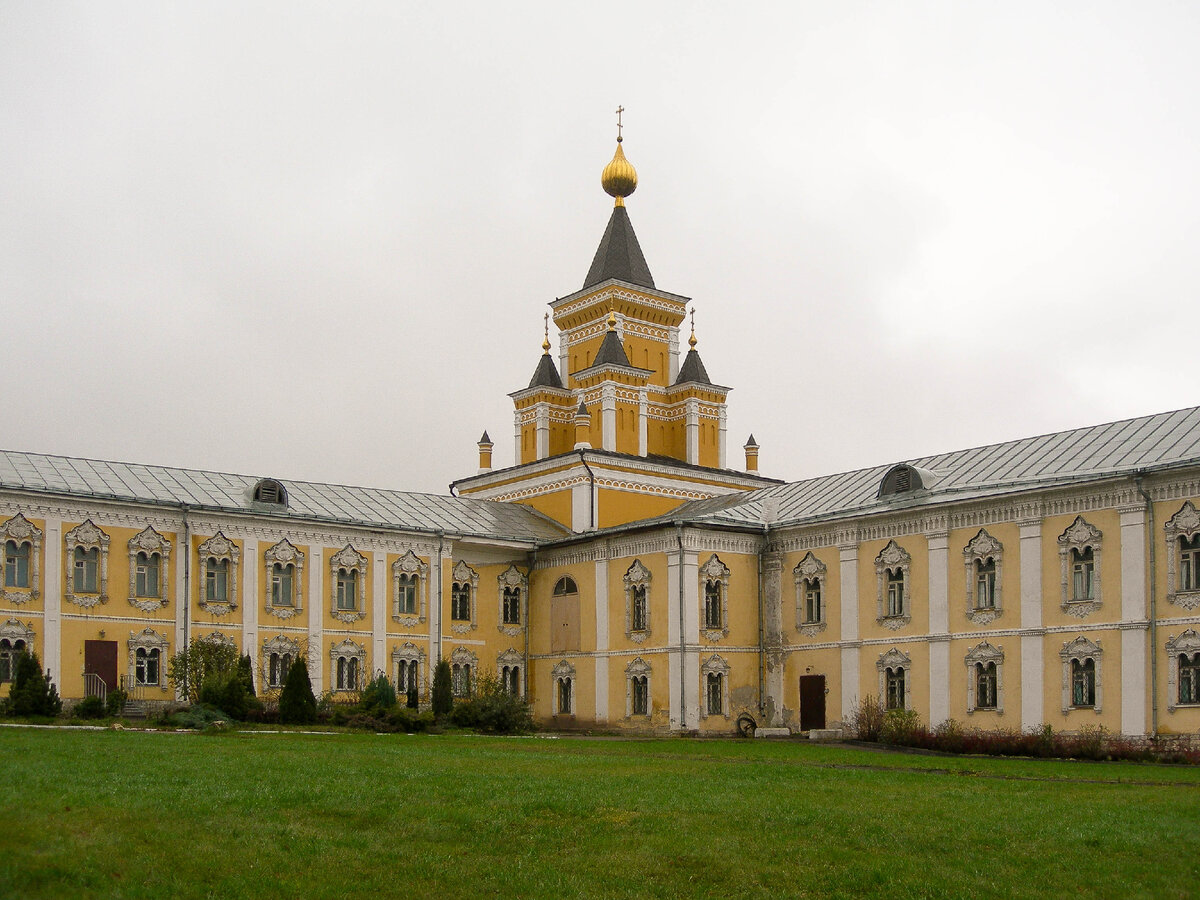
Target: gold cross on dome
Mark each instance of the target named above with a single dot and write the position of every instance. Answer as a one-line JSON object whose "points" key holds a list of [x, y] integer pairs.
{"points": [[620, 109]]}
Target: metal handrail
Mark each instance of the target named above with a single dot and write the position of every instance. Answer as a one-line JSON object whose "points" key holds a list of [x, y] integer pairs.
{"points": [[94, 686]]}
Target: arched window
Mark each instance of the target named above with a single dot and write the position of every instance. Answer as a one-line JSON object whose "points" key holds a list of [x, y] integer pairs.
{"points": [[512, 606], [985, 685], [147, 650], [564, 696], [563, 676], [1083, 682], [511, 586], [22, 545], [809, 578], [270, 491], [714, 585], [349, 663], [278, 666], [10, 649], [564, 586], [637, 581], [463, 586], [460, 679], [894, 683], [147, 665]]}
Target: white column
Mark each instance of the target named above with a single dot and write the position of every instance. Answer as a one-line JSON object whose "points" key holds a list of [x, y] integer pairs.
{"points": [[939, 623], [848, 585], [516, 438], [52, 542], [317, 603], [693, 431], [601, 565], [723, 416], [772, 565], [643, 423], [379, 613], [543, 430], [608, 417], [683, 636], [673, 355], [181, 560], [250, 602], [1135, 673], [564, 357], [1032, 672]]}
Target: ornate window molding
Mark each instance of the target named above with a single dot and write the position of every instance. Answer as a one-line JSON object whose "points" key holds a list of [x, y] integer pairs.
{"points": [[509, 665], [714, 599], [15, 638], [285, 595], [278, 654], [86, 545], [219, 556], [464, 668], [982, 558], [348, 586], [809, 576], [980, 661], [148, 658], [410, 582], [714, 685], [349, 667], [23, 534], [1179, 693], [895, 681], [464, 591], [408, 664], [637, 580], [512, 587], [1079, 550], [562, 695], [1183, 579], [893, 602], [637, 689], [146, 591], [1075, 657]]}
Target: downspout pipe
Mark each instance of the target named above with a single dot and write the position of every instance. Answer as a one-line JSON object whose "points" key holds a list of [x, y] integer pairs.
{"points": [[682, 633], [591, 492], [762, 653], [1153, 598], [528, 603], [186, 599], [441, 536]]}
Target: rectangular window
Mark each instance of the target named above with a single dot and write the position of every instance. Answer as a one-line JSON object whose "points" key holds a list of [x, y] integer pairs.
{"points": [[895, 688], [460, 602], [347, 590], [712, 604], [1189, 563], [638, 613], [895, 593], [714, 691], [512, 606], [87, 562], [564, 696], [460, 679], [146, 581], [812, 600], [1083, 682], [985, 686], [1083, 569], [216, 580], [146, 666], [1189, 678], [16, 564], [641, 695], [406, 599], [985, 584], [282, 584]]}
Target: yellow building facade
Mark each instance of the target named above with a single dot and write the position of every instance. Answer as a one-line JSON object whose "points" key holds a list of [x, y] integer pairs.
{"points": [[621, 574]]}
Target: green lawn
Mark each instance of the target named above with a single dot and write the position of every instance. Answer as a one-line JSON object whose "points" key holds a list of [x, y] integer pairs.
{"points": [[171, 816]]}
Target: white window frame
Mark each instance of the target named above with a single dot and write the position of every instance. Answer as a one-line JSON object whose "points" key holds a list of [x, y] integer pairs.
{"points": [[1079, 650], [459, 658], [978, 551], [639, 668], [717, 573], [87, 537], [148, 640], [637, 578], [13, 632], [464, 576], [1078, 537], [347, 650], [405, 655], [281, 646], [1187, 643], [508, 661], [511, 579], [149, 541], [1184, 524], [894, 659], [410, 565], [715, 665], [893, 559], [218, 548], [20, 531], [562, 670], [808, 571], [284, 554], [348, 560], [984, 653]]}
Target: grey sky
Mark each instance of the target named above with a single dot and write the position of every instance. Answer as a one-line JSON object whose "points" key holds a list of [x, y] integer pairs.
{"points": [[316, 240]]}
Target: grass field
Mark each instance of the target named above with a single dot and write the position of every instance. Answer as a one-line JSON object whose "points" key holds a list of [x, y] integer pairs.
{"points": [[243, 814]]}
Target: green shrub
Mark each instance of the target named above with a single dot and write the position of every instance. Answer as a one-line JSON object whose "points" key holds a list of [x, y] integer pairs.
{"points": [[33, 693], [443, 695], [493, 709], [199, 716], [866, 719], [193, 665], [227, 691], [245, 671], [90, 708], [116, 701], [403, 718], [411, 698], [378, 696], [901, 726], [297, 705]]}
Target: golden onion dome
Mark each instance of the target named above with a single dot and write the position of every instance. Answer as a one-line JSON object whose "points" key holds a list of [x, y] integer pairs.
{"points": [[619, 178]]}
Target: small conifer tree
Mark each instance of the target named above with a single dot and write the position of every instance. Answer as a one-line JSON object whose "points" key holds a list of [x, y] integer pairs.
{"points": [[32, 694], [443, 695], [297, 705], [246, 674]]}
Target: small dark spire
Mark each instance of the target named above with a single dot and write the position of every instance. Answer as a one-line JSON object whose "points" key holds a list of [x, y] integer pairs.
{"points": [[485, 439], [619, 254], [583, 410], [751, 442], [546, 373], [612, 351], [692, 369]]}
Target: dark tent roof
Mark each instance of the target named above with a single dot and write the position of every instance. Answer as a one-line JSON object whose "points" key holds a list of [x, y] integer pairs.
{"points": [[612, 352], [692, 369], [619, 255], [546, 374]]}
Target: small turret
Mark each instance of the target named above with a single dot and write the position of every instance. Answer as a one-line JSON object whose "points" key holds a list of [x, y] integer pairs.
{"points": [[485, 453], [751, 449], [583, 428]]}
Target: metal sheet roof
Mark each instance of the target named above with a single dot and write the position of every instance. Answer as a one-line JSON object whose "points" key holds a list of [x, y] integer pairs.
{"points": [[372, 507], [1165, 439]]}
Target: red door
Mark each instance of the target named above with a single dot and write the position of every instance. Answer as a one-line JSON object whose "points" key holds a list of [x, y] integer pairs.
{"points": [[100, 658], [812, 702]]}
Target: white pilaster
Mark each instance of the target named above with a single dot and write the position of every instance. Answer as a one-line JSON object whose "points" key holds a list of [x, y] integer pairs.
{"points": [[939, 593], [1134, 670], [643, 423], [317, 602], [543, 430], [250, 601], [939, 680], [848, 585], [564, 356], [683, 635], [723, 416], [673, 355], [1032, 671], [772, 590], [850, 684], [581, 506], [516, 438], [608, 417], [379, 613], [601, 567], [52, 594], [181, 560], [693, 431]]}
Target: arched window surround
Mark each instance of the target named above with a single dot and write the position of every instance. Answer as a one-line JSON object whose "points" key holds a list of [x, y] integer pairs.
{"points": [[893, 566], [148, 659], [512, 587], [1080, 650], [352, 566], [284, 554], [404, 570], [465, 584], [1073, 545], [1185, 524], [984, 654], [979, 550], [714, 599], [809, 577], [895, 660], [149, 542], [22, 533], [637, 580], [86, 538], [1185, 644], [219, 549]]}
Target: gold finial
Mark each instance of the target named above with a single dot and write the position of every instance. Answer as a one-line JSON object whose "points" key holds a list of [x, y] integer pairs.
{"points": [[612, 319], [546, 341], [692, 339], [619, 178]]}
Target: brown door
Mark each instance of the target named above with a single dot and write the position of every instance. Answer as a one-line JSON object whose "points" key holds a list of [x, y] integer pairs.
{"points": [[812, 702], [564, 620], [100, 658]]}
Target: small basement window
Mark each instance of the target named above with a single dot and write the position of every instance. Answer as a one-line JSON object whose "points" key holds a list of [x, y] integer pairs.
{"points": [[270, 491]]}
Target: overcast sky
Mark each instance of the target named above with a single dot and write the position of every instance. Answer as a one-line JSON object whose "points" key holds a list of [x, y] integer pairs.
{"points": [[315, 241]]}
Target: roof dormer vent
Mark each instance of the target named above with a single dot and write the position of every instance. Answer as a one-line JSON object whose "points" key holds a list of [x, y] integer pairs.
{"points": [[905, 479], [270, 491]]}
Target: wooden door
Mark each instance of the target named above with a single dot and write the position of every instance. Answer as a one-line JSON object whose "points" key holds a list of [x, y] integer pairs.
{"points": [[812, 702], [100, 658], [564, 622]]}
